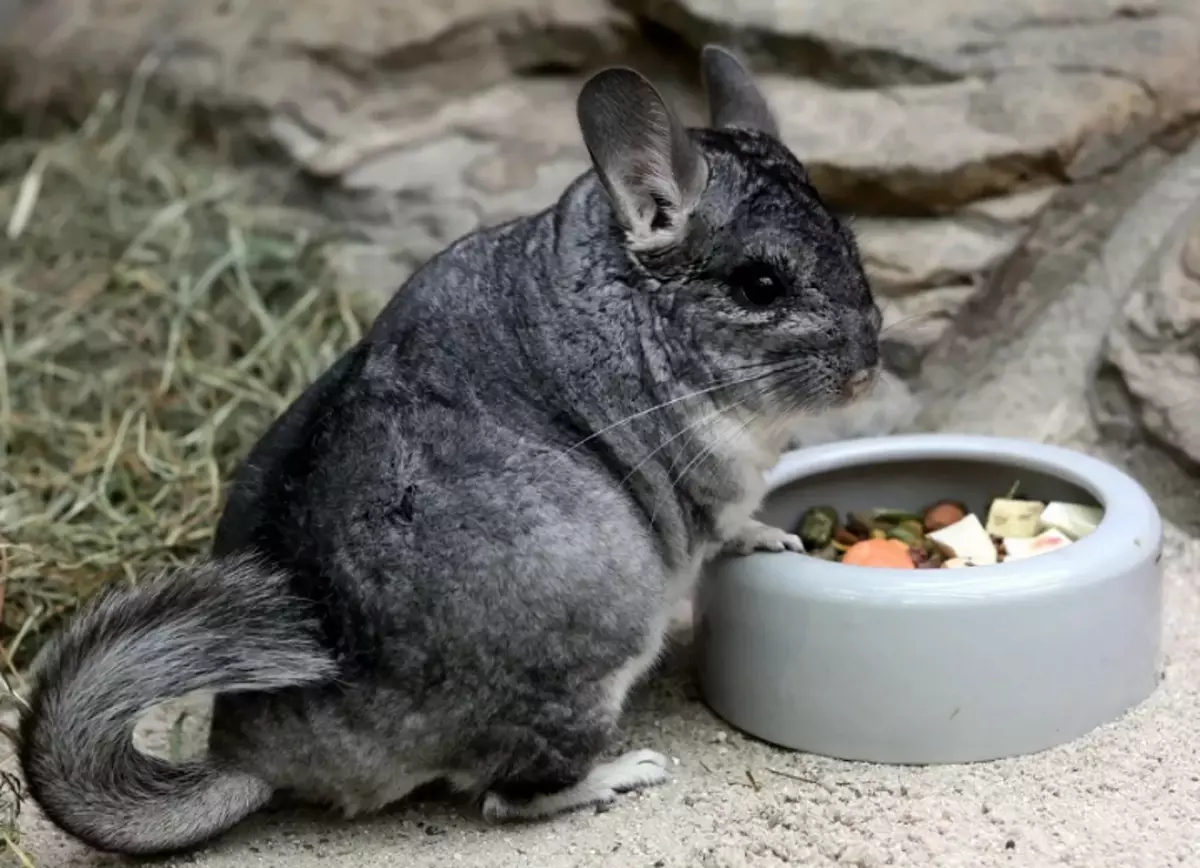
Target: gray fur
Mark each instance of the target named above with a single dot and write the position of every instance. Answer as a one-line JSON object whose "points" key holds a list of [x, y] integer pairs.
{"points": [[483, 513], [654, 173], [227, 624]]}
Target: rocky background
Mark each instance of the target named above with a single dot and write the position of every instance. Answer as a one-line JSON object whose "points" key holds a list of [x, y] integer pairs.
{"points": [[1022, 173]]}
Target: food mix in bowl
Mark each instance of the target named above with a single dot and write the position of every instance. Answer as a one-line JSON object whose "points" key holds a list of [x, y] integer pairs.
{"points": [[946, 534]]}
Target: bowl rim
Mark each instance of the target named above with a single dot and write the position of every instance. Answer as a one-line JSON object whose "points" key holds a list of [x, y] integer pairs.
{"points": [[1129, 532]]}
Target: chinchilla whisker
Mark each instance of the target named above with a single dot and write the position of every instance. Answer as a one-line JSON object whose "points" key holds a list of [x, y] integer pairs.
{"points": [[762, 390], [688, 429], [693, 430], [712, 448], [704, 453], [771, 365], [699, 393], [890, 327]]}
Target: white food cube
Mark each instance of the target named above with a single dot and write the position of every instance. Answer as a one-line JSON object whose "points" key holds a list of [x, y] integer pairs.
{"points": [[968, 540], [1014, 517], [1017, 548], [1073, 519]]}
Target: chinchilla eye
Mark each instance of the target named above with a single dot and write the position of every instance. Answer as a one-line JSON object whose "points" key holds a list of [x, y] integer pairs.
{"points": [[756, 284]]}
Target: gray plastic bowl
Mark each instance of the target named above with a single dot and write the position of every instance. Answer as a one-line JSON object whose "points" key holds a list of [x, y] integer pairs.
{"points": [[935, 666]]}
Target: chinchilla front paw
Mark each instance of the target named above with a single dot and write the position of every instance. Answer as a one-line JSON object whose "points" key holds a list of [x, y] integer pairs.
{"points": [[758, 537]]}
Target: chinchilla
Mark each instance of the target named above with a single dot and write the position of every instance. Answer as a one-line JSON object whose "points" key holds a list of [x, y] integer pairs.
{"points": [[451, 558]]}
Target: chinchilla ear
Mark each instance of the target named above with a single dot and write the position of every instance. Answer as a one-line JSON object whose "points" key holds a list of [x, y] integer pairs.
{"points": [[734, 100], [653, 172]]}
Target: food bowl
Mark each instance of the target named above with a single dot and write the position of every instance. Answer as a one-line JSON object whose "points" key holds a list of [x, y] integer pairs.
{"points": [[940, 665]]}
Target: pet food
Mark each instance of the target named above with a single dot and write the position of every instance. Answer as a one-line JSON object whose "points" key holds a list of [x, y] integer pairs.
{"points": [[946, 534]]}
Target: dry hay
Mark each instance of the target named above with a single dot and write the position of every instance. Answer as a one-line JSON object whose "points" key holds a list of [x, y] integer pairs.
{"points": [[154, 318]]}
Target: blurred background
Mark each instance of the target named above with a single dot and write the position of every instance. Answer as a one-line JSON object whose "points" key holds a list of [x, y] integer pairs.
{"points": [[205, 201]]}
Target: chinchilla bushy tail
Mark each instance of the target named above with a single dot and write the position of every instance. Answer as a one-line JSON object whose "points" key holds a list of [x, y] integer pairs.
{"points": [[228, 624]]}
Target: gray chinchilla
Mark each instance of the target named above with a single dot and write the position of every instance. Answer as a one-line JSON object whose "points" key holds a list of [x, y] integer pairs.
{"points": [[451, 558]]}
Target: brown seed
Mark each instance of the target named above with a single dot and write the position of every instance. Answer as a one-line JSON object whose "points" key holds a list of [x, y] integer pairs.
{"points": [[845, 537], [943, 514], [858, 525]]}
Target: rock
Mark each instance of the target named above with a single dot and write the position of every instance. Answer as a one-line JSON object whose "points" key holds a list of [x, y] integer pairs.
{"points": [[868, 43], [874, 150], [513, 153], [1042, 316], [1016, 209], [903, 256], [437, 117], [349, 63], [958, 99], [915, 113], [947, 131], [925, 270], [1148, 381], [913, 324]]}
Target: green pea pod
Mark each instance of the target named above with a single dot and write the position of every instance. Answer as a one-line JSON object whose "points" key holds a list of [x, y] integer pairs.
{"points": [[817, 526], [905, 536], [894, 516]]}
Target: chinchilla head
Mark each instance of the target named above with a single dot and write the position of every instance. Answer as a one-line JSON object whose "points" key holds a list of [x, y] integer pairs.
{"points": [[759, 284]]}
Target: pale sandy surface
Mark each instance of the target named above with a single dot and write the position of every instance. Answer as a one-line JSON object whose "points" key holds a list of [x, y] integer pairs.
{"points": [[1127, 795]]}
